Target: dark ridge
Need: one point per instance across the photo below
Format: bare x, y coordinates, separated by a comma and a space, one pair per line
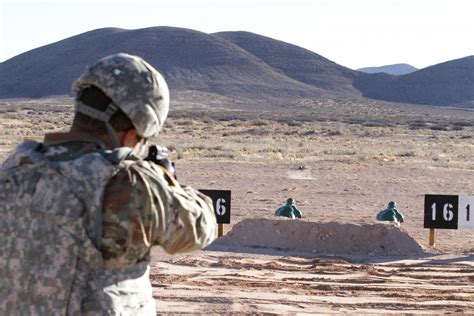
238, 65
296, 62
450, 83
189, 60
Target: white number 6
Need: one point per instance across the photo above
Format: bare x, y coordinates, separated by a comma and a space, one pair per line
447, 212
220, 207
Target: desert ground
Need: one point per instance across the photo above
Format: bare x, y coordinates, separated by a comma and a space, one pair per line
342, 161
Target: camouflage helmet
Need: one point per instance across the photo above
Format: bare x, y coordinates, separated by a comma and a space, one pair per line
133, 85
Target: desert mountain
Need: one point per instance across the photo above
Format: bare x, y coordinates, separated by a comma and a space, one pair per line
448, 83
395, 69
295, 62
188, 59
237, 64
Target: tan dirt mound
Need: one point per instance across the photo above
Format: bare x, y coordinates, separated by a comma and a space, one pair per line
322, 238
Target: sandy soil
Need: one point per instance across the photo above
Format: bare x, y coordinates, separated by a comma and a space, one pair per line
336, 191
237, 279
242, 281
343, 169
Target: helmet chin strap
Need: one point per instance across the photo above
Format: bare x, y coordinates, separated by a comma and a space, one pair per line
101, 116
140, 149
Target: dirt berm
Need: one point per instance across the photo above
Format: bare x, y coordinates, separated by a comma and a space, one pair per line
322, 237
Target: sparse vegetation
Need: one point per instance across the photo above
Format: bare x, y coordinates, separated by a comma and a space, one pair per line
350, 132
351, 153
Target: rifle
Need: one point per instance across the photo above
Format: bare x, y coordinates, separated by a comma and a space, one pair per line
159, 155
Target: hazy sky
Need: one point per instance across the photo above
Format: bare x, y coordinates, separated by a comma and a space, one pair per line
353, 33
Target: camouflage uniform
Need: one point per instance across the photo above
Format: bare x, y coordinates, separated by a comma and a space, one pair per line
77, 223
141, 207
135, 201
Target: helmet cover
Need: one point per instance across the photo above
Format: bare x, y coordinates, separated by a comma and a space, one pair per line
137, 88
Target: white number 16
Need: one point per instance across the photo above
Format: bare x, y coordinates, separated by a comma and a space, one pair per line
448, 214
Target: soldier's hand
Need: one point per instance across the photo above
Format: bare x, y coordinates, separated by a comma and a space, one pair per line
159, 155
168, 165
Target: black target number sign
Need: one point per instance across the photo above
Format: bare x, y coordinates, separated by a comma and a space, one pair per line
221, 199
449, 211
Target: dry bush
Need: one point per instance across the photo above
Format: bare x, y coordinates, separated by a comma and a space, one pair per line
346, 132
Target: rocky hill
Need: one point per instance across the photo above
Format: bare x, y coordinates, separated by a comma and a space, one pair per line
395, 69
188, 59
296, 62
449, 83
240, 65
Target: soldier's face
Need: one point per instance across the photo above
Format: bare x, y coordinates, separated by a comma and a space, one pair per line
129, 138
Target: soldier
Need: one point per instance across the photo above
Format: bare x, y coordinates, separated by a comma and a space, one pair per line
80, 211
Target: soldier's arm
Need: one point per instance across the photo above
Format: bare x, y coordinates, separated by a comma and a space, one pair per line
185, 219
141, 208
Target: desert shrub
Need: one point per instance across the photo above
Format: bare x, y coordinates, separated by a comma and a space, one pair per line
221, 154
376, 124
171, 147
207, 120
256, 131
308, 133
333, 133
417, 125
198, 147
235, 124
179, 154
439, 127
463, 123
457, 128
358, 121
216, 147
259, 122
340, 152
409, 153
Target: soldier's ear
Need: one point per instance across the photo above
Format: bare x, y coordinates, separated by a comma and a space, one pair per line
130, 138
